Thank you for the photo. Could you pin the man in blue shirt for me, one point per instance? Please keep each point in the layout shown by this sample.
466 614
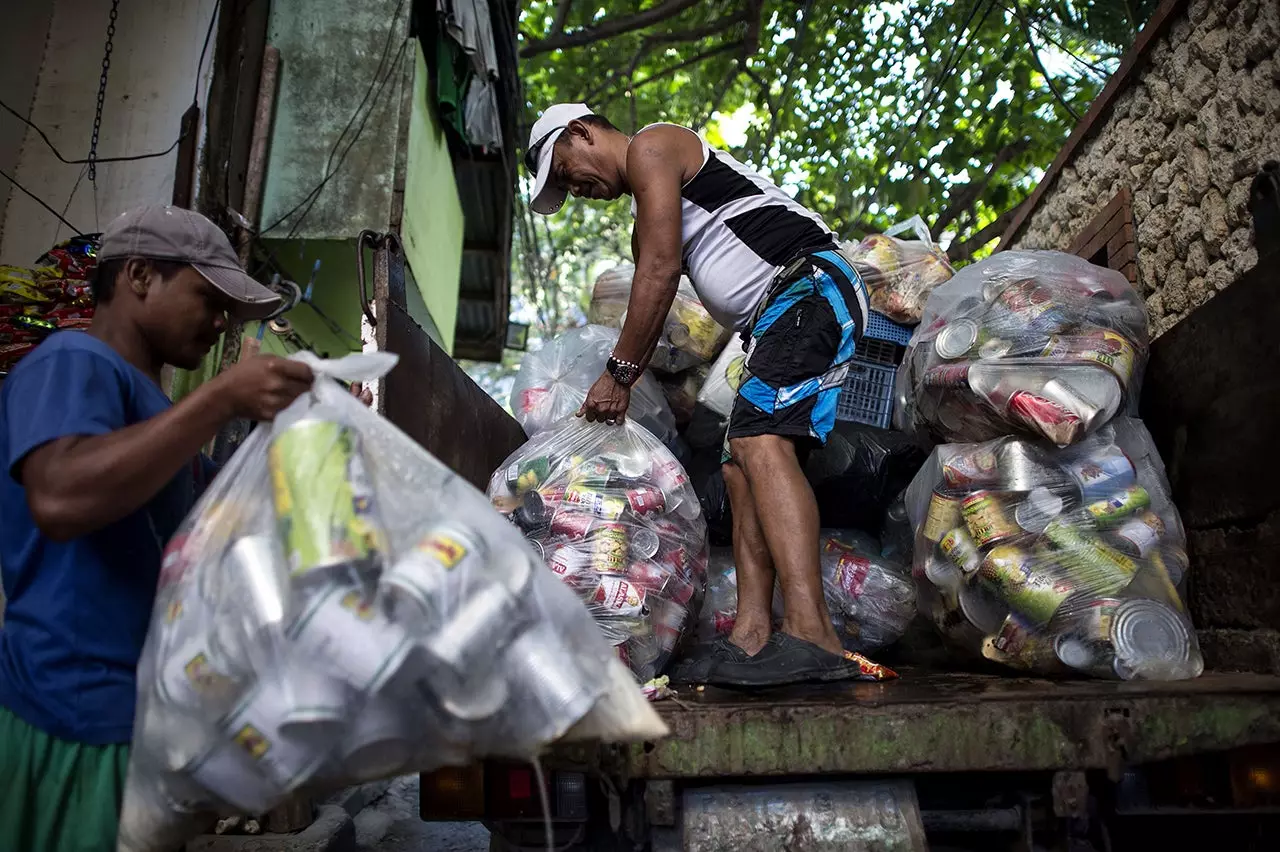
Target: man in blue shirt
99 468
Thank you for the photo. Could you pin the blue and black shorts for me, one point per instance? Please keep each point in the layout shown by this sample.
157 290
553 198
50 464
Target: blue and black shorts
798 352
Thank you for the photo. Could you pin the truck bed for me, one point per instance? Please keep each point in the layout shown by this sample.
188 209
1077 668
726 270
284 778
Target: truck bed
946 722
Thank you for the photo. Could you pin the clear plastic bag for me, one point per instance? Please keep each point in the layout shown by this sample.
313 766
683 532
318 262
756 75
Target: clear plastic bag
720 606
553 382
726 376
617 521
1055 560
681 391
900 274
690 335
1036 343
339 607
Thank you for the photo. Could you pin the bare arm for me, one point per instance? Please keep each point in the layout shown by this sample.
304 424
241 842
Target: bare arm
78 484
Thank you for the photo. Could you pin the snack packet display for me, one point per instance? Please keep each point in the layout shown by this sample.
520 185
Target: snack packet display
339 607
1056 560
900 274
1035 343
617 522
553 382
690 335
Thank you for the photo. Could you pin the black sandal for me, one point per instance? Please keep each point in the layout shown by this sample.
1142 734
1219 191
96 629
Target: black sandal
700 663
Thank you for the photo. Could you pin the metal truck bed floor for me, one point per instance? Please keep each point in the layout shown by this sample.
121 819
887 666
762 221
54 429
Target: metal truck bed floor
952 722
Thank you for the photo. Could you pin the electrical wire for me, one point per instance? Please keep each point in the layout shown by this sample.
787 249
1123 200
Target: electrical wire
58 153
39 201
208 34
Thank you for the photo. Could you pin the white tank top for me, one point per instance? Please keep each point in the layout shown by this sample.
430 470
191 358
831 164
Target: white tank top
738 231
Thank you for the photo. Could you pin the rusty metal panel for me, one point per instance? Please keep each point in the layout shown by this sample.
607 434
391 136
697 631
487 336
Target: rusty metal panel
429 397
950 722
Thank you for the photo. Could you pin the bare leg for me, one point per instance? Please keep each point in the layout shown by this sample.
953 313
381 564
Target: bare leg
788 515
755 567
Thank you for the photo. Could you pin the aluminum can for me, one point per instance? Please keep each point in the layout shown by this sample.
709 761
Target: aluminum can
967 469
444 553
568 521
1102 473
1088 408
1138 535
1092 621
1049 418
545 677
378 740
644 499
324 500
1022 467
947 376
619 597
286 753
527 474
1015 575
1093 566
987 519
982 608
1152 640
956 338
1113 510
349 632
609 548
571 562
668 620
257 574
1084 656
944 515
601 504
1027 305
648 575
478 629
958 546
644 543
943 574
1022 643
1102 347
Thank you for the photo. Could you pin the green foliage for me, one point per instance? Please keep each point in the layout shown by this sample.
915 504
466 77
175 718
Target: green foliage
869 111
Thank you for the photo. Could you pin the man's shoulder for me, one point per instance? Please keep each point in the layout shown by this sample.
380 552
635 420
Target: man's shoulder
70 341
66 353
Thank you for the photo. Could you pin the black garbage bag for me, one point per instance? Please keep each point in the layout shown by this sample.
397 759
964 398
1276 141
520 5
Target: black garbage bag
860 472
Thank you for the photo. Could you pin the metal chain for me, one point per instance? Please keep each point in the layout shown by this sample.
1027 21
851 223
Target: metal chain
102 90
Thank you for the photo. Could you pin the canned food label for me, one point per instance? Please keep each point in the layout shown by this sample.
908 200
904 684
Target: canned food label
964 469
619 597
950 376
944 514
444 548
722 621
595 502
958 546
644 500
670 475
851 574
1142 533
252 741
986 519
1045 416
572 524
1118 506
1103 473
1102 347
609 549
531 399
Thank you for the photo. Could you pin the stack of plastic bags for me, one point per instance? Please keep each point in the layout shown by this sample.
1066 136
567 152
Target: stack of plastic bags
54 294
616 521
871 599
1035 343
900 274
1050 559
553 382
690 336
340 607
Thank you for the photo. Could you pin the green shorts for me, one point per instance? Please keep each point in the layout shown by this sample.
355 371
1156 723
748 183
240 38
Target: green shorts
57 795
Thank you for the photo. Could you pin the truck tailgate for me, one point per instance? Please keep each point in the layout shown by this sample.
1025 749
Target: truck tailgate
950 722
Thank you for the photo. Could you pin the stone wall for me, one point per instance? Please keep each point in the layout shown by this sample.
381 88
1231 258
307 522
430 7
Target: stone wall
1186 135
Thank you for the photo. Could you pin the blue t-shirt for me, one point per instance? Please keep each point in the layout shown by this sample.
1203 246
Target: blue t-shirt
77 611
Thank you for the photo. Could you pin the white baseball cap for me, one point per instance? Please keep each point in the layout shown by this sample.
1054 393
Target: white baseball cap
547 198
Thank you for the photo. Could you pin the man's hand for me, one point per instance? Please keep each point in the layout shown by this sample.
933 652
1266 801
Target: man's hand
607 401
260 387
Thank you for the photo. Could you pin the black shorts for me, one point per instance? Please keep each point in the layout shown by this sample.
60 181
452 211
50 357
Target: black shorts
798 353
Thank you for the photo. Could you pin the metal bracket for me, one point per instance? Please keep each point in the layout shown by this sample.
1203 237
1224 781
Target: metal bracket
388 270
369 239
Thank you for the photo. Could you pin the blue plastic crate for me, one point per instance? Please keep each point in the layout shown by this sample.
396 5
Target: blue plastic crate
867 395
880 327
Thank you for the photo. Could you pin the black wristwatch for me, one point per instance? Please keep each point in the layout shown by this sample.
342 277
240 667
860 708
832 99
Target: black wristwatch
624 373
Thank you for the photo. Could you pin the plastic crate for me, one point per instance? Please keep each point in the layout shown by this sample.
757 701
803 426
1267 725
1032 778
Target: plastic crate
867 395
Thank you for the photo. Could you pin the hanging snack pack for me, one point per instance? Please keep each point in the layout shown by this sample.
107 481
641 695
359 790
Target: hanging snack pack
51 296
553 382
340 607
618 522
900 274
690 335
1056 560
1036 343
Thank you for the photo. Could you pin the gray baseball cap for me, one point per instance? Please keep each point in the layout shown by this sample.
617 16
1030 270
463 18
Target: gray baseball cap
161 232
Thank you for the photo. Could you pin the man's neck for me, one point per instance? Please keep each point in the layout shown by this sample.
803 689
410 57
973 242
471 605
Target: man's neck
126 341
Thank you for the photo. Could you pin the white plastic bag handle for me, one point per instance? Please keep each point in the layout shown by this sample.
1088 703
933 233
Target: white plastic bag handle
356 367
915 223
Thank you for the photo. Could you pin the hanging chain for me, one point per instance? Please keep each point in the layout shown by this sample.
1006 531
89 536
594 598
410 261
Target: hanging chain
102 90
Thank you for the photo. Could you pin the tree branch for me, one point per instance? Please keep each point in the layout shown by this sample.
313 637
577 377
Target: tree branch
607 28
562 15
1035 57
962 251
964 196
802 28
693 60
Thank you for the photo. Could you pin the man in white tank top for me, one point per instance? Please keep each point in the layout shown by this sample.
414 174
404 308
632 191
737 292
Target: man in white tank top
769 268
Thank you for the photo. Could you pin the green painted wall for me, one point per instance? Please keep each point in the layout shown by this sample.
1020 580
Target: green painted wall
334 293
433 222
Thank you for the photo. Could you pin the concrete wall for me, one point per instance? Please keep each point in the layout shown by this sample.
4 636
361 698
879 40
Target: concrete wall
21 51
1186 135
153 75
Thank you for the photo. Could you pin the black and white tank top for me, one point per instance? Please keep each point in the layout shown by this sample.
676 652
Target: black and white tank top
738 231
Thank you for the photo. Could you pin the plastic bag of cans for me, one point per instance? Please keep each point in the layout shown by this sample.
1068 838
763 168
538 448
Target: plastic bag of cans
340 607
900 274
553 382
720 605
1056 560
690 335
618 522
1035 343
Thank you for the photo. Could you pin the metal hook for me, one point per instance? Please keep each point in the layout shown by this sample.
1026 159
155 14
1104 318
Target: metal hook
365 238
